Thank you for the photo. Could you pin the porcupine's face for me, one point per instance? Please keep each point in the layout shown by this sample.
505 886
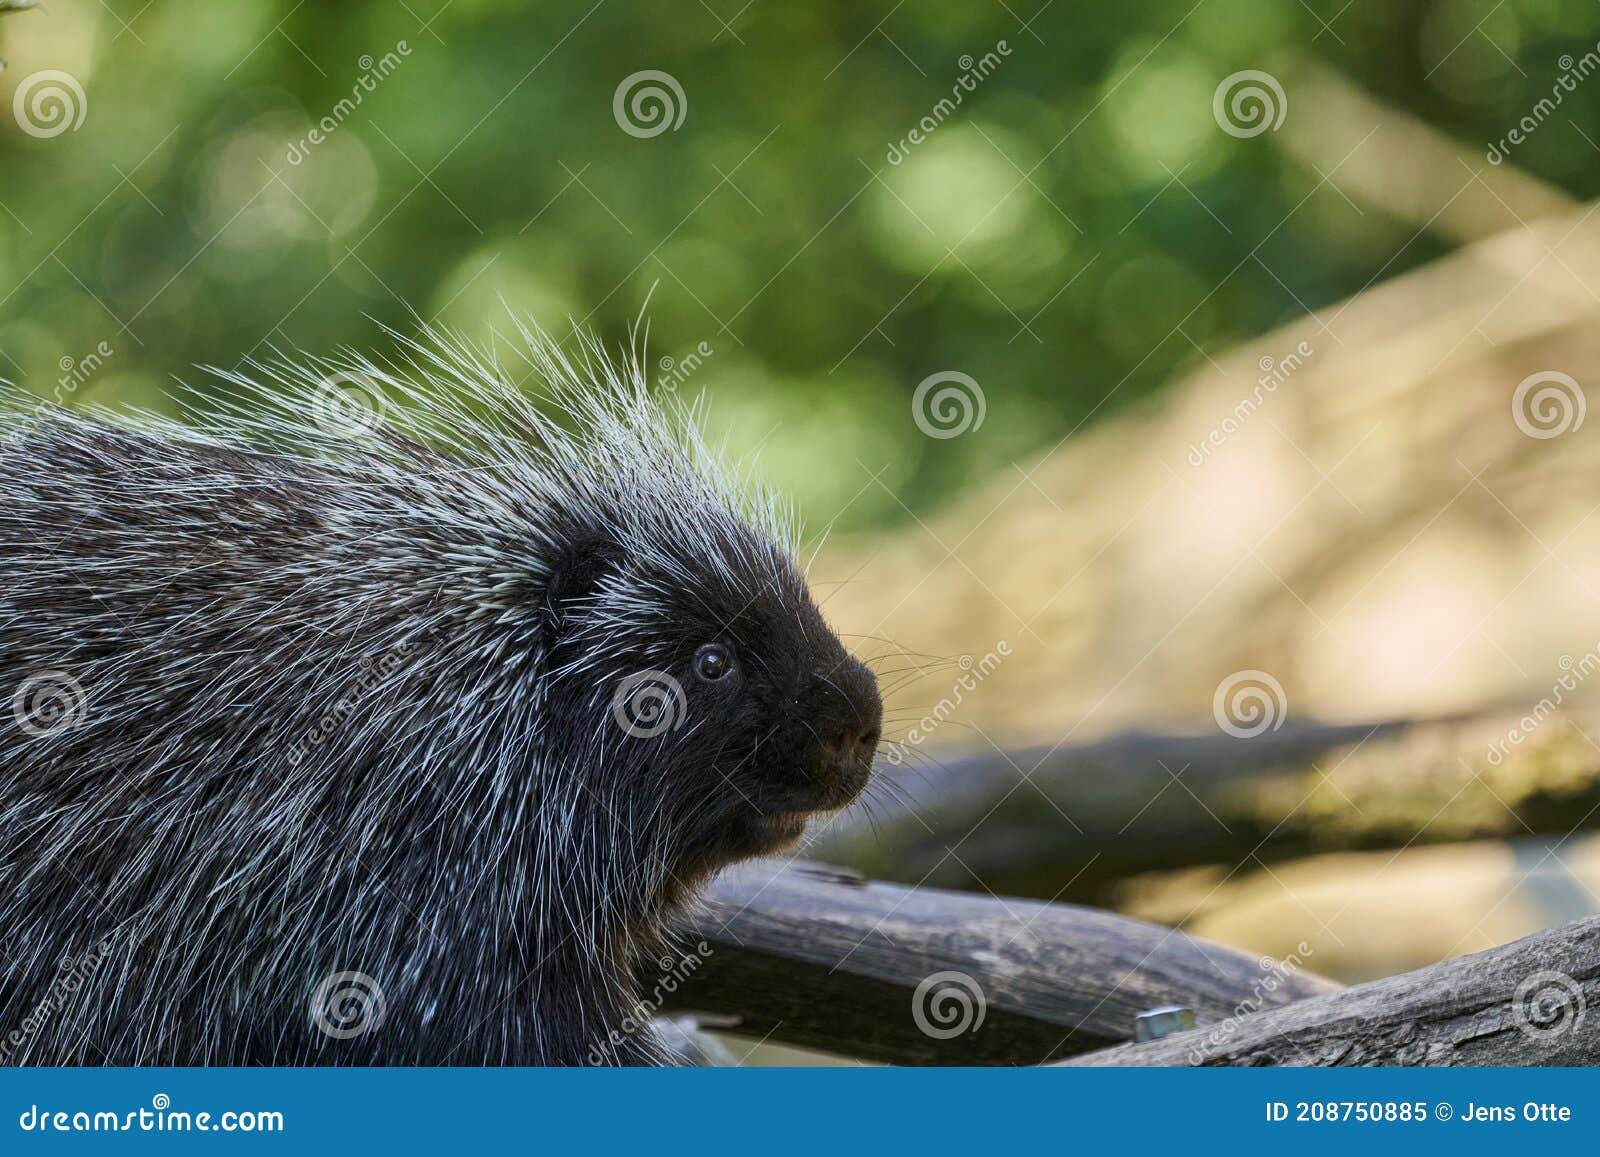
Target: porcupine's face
740 702
788 720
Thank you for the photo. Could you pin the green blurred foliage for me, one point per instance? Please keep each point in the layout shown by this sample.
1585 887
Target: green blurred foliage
1073 235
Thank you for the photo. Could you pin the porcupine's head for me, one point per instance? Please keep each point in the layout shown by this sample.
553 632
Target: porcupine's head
689 705
712 685
687 648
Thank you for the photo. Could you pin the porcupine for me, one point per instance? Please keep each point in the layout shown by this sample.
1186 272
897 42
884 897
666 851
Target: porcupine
390 743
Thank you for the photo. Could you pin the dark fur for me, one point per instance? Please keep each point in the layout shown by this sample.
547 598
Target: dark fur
478 835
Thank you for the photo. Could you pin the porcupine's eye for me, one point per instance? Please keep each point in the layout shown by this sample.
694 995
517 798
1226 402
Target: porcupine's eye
712 662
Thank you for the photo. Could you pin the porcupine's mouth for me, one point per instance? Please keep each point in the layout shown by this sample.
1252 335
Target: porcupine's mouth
784 829
842 782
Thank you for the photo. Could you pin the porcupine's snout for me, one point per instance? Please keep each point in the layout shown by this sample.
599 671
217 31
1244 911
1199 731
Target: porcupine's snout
849 722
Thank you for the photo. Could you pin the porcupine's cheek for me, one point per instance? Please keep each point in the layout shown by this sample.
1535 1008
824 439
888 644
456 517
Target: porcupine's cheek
774 833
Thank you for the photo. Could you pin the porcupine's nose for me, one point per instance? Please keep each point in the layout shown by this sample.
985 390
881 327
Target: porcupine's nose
855 745
852 739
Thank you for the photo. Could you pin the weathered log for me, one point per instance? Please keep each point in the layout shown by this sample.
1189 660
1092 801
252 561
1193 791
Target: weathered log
816 956
1524 1003
1081 817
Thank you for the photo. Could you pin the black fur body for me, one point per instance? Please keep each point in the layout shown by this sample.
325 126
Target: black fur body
422 734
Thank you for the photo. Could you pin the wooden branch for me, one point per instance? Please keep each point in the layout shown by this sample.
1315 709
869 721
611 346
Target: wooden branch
818 957
1525 1003
1084 816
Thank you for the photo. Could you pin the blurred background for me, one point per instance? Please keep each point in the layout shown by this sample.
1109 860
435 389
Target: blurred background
1188 398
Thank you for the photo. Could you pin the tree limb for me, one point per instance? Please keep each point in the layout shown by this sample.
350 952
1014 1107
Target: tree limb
1525 1003
818 957
1085 816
